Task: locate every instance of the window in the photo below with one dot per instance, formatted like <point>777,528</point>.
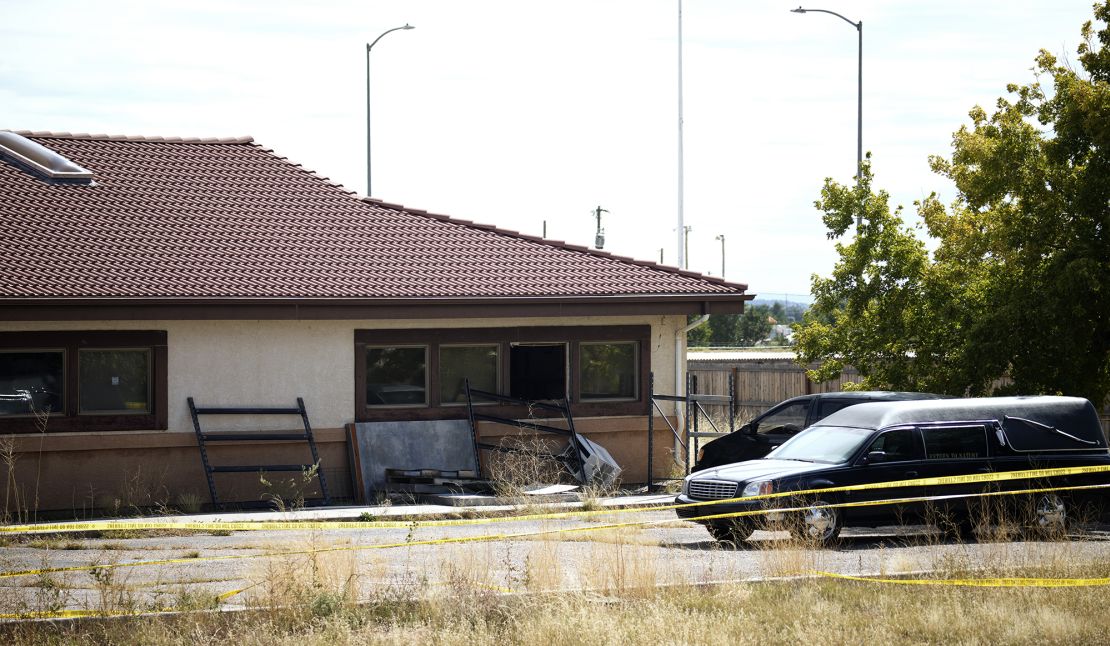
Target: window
<point>538,371</point>
<point>898,445</point>
<point>114,381</point>
<point>397,376</point>
<point>31,381</point>
<point>788,419</point>
<point>830,406</point>
<point>609,370</point>
<point>85,380</point>
<point>955,442</point>
<point>415,374</point>
<point>459,363</point>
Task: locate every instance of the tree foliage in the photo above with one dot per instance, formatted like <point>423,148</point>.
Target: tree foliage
<point>735,330</point>
<point>1019,283</point>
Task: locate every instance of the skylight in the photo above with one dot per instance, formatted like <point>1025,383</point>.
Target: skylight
<point>40,160</point>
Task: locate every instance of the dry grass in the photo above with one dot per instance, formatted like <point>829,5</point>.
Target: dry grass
<point>778,612</point>
<point>611,586</point>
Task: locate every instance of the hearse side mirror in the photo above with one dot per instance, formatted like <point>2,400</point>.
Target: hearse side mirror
<point>746,429</point>
<point>874,457</point>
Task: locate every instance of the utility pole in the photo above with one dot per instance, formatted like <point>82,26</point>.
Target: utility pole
<point>722,239</point>
<point>599,239</point>
<point>686,245</point>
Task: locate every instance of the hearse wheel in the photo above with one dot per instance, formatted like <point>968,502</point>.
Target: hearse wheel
<point>819,524</point>
<point>1050,515</point>
<point>731,532</point>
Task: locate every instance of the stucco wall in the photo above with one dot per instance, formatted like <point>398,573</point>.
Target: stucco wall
<point>222,363</point>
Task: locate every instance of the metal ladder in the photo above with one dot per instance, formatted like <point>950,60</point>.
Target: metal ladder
<point>204,437</point>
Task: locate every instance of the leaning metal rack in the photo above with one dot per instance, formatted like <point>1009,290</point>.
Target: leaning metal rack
<point>693,413</point>
<point>204,437</point>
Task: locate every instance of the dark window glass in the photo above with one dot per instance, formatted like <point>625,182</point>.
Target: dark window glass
<point>608,370</point>
<point>955,442</point>
<point>788,419</point>
<point>396,376</point>
<point>898,445</point>
<point>478,363</point>
<point>32,380</point>
<point>114,381</point>
<point>538,371</point>
<point>830,406</point>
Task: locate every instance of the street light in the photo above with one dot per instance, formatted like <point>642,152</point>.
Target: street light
<point>722,239</point>
<point>859,96</point>
<point>686,229</point>
<point>370,46</point>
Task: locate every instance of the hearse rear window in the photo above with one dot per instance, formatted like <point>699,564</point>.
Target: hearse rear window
<point>955,442</point>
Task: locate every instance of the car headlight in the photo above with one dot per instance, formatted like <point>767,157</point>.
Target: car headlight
<point>757,488</point>
<point>685,486</point>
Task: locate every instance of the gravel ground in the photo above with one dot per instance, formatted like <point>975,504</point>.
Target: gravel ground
<point>667,551</point>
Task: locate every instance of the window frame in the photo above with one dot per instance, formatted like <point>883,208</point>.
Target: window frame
<point>149,385</point>
<point>65,374</point>
<point>427,376</point>
<point>636,370</point>
<point>503,337</point>
<point>925,430</point>
<point>70,419</point>
<point>568,378</point>
<point>498,380</point>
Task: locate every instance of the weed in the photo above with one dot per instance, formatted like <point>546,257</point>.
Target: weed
<point>525,462</point>
<point>289,494</point>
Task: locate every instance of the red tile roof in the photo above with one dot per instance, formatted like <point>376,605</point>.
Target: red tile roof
<point>229,219</point>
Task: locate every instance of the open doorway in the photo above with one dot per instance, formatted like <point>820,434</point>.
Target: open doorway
<point>538,371</point>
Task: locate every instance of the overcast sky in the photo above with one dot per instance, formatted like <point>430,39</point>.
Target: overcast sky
<point>518,112</point>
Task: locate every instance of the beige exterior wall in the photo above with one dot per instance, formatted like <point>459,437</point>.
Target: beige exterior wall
<point>224,363</point>
<point>227,363</point>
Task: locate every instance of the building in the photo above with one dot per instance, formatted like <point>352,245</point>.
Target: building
<point>138,272</point>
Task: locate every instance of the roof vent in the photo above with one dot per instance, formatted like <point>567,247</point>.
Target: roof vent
<point>41,160</point>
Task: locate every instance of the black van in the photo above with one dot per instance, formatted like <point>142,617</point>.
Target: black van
<point>783,421</point>
<point>908,440</point>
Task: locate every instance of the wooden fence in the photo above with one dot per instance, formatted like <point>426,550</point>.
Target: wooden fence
<point>763,382</point>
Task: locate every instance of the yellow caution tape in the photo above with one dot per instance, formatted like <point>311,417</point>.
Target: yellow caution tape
<point>530,534</point>
<point>80,614</point>
<point>1004,582</point>
<point>73,614</point>
<point>123,525</point>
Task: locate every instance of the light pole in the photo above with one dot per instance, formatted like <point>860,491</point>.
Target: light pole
<point>686,229</point>
<point>682,260</point>
<point>370,46</point>
<point>859,90</point>
<point>722,239</point>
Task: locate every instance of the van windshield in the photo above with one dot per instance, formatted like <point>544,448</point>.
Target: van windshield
<point>828,444</point>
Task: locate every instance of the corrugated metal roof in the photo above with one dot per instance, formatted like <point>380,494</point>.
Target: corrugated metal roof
<point>734,355</point>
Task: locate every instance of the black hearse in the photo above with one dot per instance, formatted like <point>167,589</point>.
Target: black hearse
<point>786,419</point>
<point>891,441</point>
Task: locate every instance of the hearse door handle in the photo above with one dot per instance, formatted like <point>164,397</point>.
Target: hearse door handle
<point>985,470</point>
<point>911,474</point>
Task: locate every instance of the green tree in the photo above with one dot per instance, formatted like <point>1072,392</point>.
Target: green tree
<point>735,330</point>
<point>754,325</point>
<point>1019,284</point>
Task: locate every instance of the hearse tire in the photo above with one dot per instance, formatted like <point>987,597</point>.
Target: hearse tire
<point>819,524</point>
<point>731,533</point>
<point>1050,515</point>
